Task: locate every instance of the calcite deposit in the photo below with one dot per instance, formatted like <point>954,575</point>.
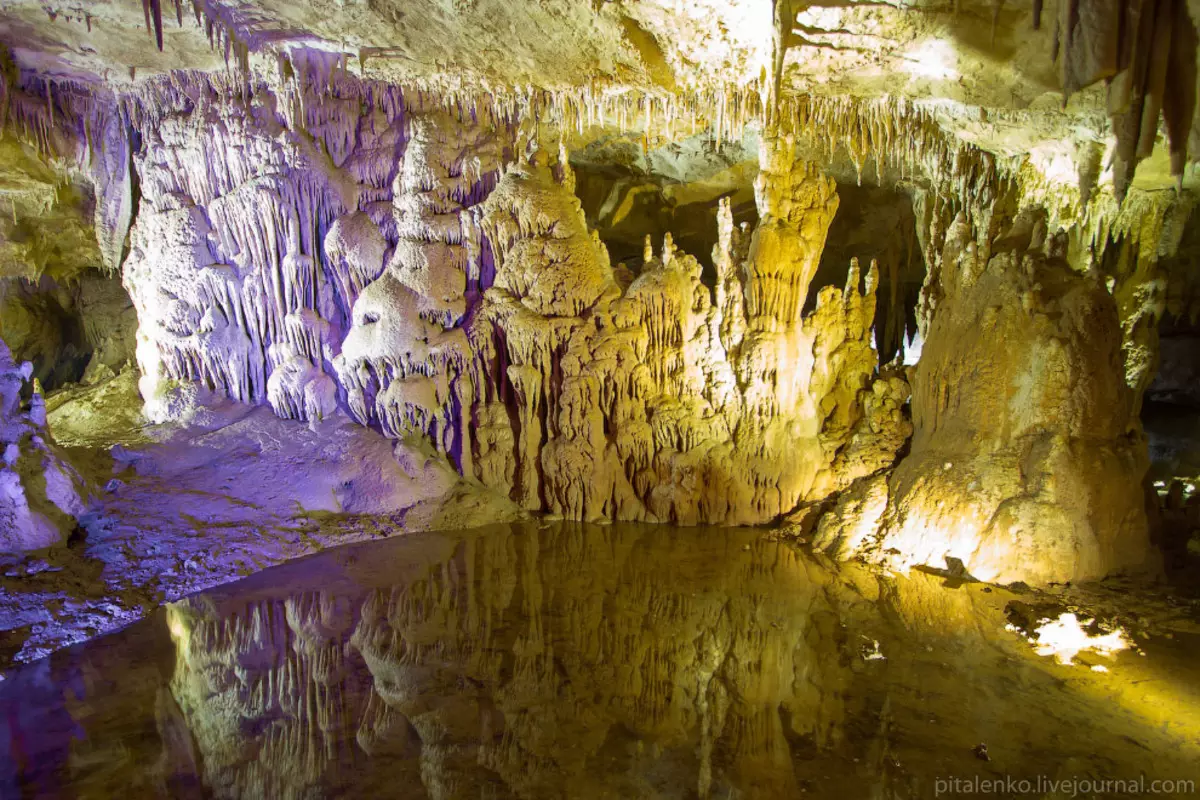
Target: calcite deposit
<point>41,494</point>
<point>442,283</point>
<point>758,399</point>
<point>750,399</point>
<point>1026,458</point>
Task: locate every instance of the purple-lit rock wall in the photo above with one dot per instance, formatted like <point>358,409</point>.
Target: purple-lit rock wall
<point>227,265</point>
<point>40,493</point>
<point>324,245</point>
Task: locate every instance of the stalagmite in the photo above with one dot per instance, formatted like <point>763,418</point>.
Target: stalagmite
<point>41,494</point>
<point>1028,469</point>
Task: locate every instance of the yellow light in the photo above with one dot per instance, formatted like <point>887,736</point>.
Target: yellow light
<point>1064,638</point>
<point>931,59</point>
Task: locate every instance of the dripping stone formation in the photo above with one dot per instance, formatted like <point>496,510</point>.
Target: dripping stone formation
<point>906,288</point>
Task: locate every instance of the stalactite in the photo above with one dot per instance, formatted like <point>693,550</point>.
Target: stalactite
<point>366,246</point>
<point>1146,52</point>
<point>152,9</point>
<point>900,136</point>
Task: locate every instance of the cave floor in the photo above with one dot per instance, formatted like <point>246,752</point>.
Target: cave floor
<point>178,509</point>
<point>539,659</point>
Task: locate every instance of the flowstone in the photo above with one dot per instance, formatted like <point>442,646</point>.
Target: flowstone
<point>1027,458</point>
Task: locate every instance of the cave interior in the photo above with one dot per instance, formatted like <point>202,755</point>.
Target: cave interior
<point>620,398</point>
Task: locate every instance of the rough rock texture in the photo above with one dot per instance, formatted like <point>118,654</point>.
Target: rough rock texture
<point>226,492</point>
<point>47,224</point>
<point>313,240</point>
<point>41,495</point>
<point>979,54</point>
<point>1027,459</point>
<point>434,287</point>
<point>675,402</point>
<point>81,330</point>
<point>1146,51</point>
<point>324,245</point>
<point>226,266</point>
<point>406,343</point>
<point>61,306</point>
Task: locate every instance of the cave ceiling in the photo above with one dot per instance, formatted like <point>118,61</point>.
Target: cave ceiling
<point>983,70</point>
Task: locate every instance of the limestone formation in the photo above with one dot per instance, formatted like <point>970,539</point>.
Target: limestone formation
<point>823,376</point>
<point>1146,52</point>
<point>345,224</point>
<point>1027,458</point>
<point>478,311</point>
<point>41,495</point>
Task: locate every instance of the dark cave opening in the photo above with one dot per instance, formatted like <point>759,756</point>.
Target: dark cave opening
<point>626,205</point>
<point>876,223</point>
<point>71,331</point>
<point>1171,409</point>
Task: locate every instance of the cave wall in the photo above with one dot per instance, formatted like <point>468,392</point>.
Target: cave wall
<point>61,303</point>
<point>425,264</point>
<point>432,274</point>
<point>79,331</point>
<point>227,263</point>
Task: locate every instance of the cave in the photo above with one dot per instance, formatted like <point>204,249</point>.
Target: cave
<point>625,398</point>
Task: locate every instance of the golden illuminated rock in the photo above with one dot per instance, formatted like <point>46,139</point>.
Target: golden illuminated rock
<point>1026,460</point>
<point>358,220</point>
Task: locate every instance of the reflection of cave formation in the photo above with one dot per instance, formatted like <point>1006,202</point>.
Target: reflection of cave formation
<point>566,660</point>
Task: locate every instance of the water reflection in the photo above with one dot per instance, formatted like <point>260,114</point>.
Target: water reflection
<point>559,660</point>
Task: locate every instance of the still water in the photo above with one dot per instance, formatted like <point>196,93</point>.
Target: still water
<point>559,660</point>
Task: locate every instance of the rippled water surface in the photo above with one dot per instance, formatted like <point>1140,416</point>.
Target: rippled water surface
<point>563,660</point>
